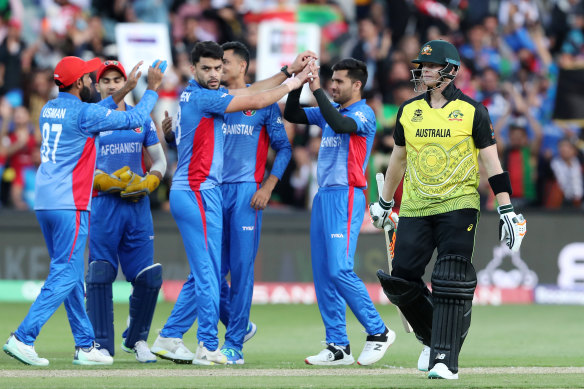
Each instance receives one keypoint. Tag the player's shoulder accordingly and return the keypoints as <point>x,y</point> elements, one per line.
<point>413,100</point>
<point>469,100</point>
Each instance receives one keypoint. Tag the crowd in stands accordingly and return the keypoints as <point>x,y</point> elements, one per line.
<point>515,54</point>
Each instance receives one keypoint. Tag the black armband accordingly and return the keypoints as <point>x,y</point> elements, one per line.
<point>338,123</point>
<point>501,183</point>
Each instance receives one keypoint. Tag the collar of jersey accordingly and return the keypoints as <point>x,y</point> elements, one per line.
<point>450,93</point>
<point>338,106</point>
<point>67,95</point>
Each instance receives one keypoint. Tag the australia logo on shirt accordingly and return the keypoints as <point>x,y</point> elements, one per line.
<point>138,130</point>
<point>249,112</point>
<point>455,115</point>
<point>417,116</point>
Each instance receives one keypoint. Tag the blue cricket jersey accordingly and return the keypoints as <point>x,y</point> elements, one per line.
<point>342,158</point>
<point>199,137</point>
<point>247,137</point>
<point>65,177</point>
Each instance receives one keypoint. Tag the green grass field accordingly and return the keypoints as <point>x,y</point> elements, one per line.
<point>508,347</point>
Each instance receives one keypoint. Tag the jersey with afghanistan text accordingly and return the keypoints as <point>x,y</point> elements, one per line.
<point>64,179</point>
<point>199,137</point>
<point>342,158</point>
<point>442,144</point>
<point>247,137</point>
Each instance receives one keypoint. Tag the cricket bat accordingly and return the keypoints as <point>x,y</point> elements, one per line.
<point>390,244</point>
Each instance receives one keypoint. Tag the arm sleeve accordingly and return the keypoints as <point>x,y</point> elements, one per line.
<point>482,129</point>
<point>158,159</point>
<point>94,118</point>
<point>339,123</point>
<point>151,135</point>
<point>279,142</point>
<point>214,102</point>
<point>398,133</point>
<point>292,112</point>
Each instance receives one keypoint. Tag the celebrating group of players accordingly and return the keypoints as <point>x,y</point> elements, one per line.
<point>218,192</point>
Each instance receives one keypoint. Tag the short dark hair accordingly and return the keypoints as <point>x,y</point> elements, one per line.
<point>207,49</point>
<point>356,70</point>
<point>239,49</point>
<point>63,88</point>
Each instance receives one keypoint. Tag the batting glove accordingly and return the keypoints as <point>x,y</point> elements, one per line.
<point>140,187</point>
<point>111,183</point>
<point>382,215</point>
<point>512,227</point>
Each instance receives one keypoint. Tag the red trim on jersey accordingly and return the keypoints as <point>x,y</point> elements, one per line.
<point>351,195</point>
<point>77,223</point>
<point>356,160</point>
<point>82,178</point>
<point>261,155</point>
<point>203,216</point>
<point>202,154</point>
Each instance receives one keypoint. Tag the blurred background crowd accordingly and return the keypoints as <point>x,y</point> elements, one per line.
<point>524,60</point>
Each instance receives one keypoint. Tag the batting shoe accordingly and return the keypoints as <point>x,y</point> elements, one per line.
<point>251,331</point>
<point>204,356</point>
<point>91,356</point>
<point>332,355</point>
<point>424,359</point>
<point>23,352</point>
<point>234,357</point>
<point>172,349</point>
<point>142,351</point>
<point>375,347</point>
<point>441,371</point>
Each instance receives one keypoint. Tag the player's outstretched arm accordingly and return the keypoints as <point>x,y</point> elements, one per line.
<point>512,226</point>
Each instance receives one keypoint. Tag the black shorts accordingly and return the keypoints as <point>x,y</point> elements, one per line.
<point>417,237</point>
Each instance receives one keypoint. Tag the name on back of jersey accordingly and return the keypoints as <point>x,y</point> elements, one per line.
<point>120,148</point>
<point>54,113</point>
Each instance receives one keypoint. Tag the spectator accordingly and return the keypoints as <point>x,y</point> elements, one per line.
<point>567,170</point>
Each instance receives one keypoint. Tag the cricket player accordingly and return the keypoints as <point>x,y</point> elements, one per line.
<point>348,130</point>
<point>121,224</point>
<point>439,137</point>
<point>196,200</point>
<point>64,184</point>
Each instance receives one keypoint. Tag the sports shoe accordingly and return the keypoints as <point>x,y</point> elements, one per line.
<point>234,357</point>
<point>172,349</point>
<point>142,351</point>
<point>23,352</point>
<point>203,356</point>
<point>105,352</point>
<point>375,347</point>
<point>251,331</point>
<point>332,355</point>
<point>424,359</point>
<point>441,371</point>
<point>91,356</point>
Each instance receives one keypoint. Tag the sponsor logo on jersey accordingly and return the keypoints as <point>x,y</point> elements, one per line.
<point>249,112</point>
<point>417,116</point>
<point>470,227</point>
<point>331,141</point>
<point>138,130</point>
<point>433,133</point>
<point>247,228</point>
<point>427,50</point>
<point>185,96</point>
<point>223,95</point>
<point>361,116</point>
<point>337,236</point>
<point>105,133</point>
<point>455,115</point>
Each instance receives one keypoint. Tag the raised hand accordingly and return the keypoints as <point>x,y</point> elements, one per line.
<point>301,60</point>
<point>155,74</point>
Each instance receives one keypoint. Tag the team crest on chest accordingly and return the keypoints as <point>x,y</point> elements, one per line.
<point>456,115</point>
<point>138,130</point>
<point>417,116</point>
<point>249,112</point>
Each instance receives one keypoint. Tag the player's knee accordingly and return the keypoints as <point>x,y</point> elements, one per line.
<point>399,291</point>
<point>100,272</point>
<point>454,277</point>
<point>150,277</point>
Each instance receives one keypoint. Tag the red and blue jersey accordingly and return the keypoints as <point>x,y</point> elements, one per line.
<point>247,137</point>
<point>199,137</point>
<point>342,158</point>
<point>119,148</point>
<point>64,179</point>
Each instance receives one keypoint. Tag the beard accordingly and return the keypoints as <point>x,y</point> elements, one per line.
<point>85,94</point>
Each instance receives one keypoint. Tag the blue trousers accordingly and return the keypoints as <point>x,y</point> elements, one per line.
<point>337,215</point>
<point>65,233</point>
<point>198,215</point>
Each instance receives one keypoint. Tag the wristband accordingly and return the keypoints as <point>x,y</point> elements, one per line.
<point>501,183</point>
<point>502,209</point>
<point>284,70</point>
<point>386,204</point>
<point>293,83</point>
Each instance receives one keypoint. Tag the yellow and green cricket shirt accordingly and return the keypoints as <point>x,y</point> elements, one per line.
<point>442,144</point>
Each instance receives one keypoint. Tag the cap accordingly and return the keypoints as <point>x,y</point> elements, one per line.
<point>110,65</point>
<point>439,52</point>
<point>70,69</point>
